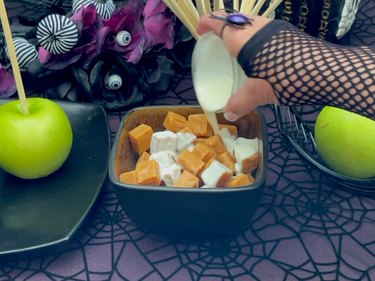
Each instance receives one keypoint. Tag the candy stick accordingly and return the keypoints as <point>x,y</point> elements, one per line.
<point>257,7</point>
<point>272,8</point>
<point>13,58</point>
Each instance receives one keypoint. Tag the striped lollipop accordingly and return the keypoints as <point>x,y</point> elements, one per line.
<point>25,52</point>
<point>57,34</point>
<point>105,10</point>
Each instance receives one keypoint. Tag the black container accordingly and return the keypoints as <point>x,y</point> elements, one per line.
<point>186,211</point>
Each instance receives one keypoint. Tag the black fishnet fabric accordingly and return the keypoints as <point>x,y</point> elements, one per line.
<point>306,70</point>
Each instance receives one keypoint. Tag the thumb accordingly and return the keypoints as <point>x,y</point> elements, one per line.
<point>252,93</point>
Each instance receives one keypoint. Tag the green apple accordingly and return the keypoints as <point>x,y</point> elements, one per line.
<point>346,142</point>
<point>36,144</point>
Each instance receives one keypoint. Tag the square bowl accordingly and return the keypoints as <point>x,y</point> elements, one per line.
<point>186,211</point>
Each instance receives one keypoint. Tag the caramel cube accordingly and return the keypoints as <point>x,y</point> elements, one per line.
<point>145,156</point>
<point>129,177</point>
<point>174,122</point>
<point>199,125</point>
<point>250,164</point>
<point>187,180</point>
<point>199,140</point>
<point>204,152</point>
<point>190,162</point>
<point>216,144</point>
<point>185,130</point>
<point>216,174</point>
<point>239,180</point>
<point>148,173</point>
<point>140,138</point>
<point>227,159</point>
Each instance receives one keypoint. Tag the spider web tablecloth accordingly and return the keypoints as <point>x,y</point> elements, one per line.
<point>306,227</point>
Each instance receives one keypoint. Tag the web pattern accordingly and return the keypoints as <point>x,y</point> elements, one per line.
<point>306,227</point>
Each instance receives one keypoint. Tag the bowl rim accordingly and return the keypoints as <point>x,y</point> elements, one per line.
<point>257,184</point>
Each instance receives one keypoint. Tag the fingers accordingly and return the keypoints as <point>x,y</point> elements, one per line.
<point>234,37</point>
<point>252,93</point>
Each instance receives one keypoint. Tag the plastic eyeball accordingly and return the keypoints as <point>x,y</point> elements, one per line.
<point>123,38</point>
<point>113,82</point>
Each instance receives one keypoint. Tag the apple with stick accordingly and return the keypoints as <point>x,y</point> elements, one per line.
<point>35,133</point>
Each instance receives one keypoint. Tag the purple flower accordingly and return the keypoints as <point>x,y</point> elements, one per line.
<point>126,18</point>
<point>7,83</point>
<point>159,23</point>
<point>88,24</point>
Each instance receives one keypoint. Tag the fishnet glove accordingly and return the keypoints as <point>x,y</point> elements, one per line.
<point>303,69</point>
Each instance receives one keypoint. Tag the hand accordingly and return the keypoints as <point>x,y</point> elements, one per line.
<point>253,92</point>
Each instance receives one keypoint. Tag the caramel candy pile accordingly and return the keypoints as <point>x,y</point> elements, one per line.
<point>188,154</point>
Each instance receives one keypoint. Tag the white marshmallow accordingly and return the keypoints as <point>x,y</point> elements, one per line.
<point>170,174</point>
<point>184,139</point>
<point>254,143</point>
<point>164,158</point>
<point>213,173</point>
<point>242,151</point>
<point>163,141</point>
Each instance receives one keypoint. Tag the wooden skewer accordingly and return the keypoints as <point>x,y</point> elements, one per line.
<point>249,7</point>
<point>176,9</point>
<point>193,10</point>
<point>244,4</point>
<point>257,7</point>
<point>13,58</point>
<point>272,8</point>
<point>188,12</point>
<point>236,5</point>
<point>218,5</point>
<point>207,5</point>
<point>200,7</point>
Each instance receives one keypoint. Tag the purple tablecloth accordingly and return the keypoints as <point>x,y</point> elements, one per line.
<point>306,228</point>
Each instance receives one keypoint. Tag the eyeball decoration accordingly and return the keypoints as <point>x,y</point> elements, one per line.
<point>25,52</point>
<point>57,34</point>
<point>123,38</point>
<point>104,8</point>
<point>113,81</point>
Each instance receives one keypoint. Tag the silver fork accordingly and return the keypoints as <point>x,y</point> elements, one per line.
<point>291,125</point>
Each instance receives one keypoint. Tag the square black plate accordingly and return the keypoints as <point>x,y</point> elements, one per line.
<point>43,212</point>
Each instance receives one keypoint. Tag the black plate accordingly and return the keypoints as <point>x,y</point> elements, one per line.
<point>42,212</point>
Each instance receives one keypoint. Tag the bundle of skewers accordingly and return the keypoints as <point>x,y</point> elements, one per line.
<point>189,11</point>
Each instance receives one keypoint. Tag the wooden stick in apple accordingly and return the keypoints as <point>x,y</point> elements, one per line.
<point>13,58</point>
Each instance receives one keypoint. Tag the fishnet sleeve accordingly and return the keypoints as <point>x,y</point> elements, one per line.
<point>303,69</point>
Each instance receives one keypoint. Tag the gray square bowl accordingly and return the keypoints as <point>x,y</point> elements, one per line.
<point>186,211</point>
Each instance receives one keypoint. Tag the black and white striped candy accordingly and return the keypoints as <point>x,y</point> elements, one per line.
<point>105,10</point>
<point>57,34</point>
<point>25,52</point>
